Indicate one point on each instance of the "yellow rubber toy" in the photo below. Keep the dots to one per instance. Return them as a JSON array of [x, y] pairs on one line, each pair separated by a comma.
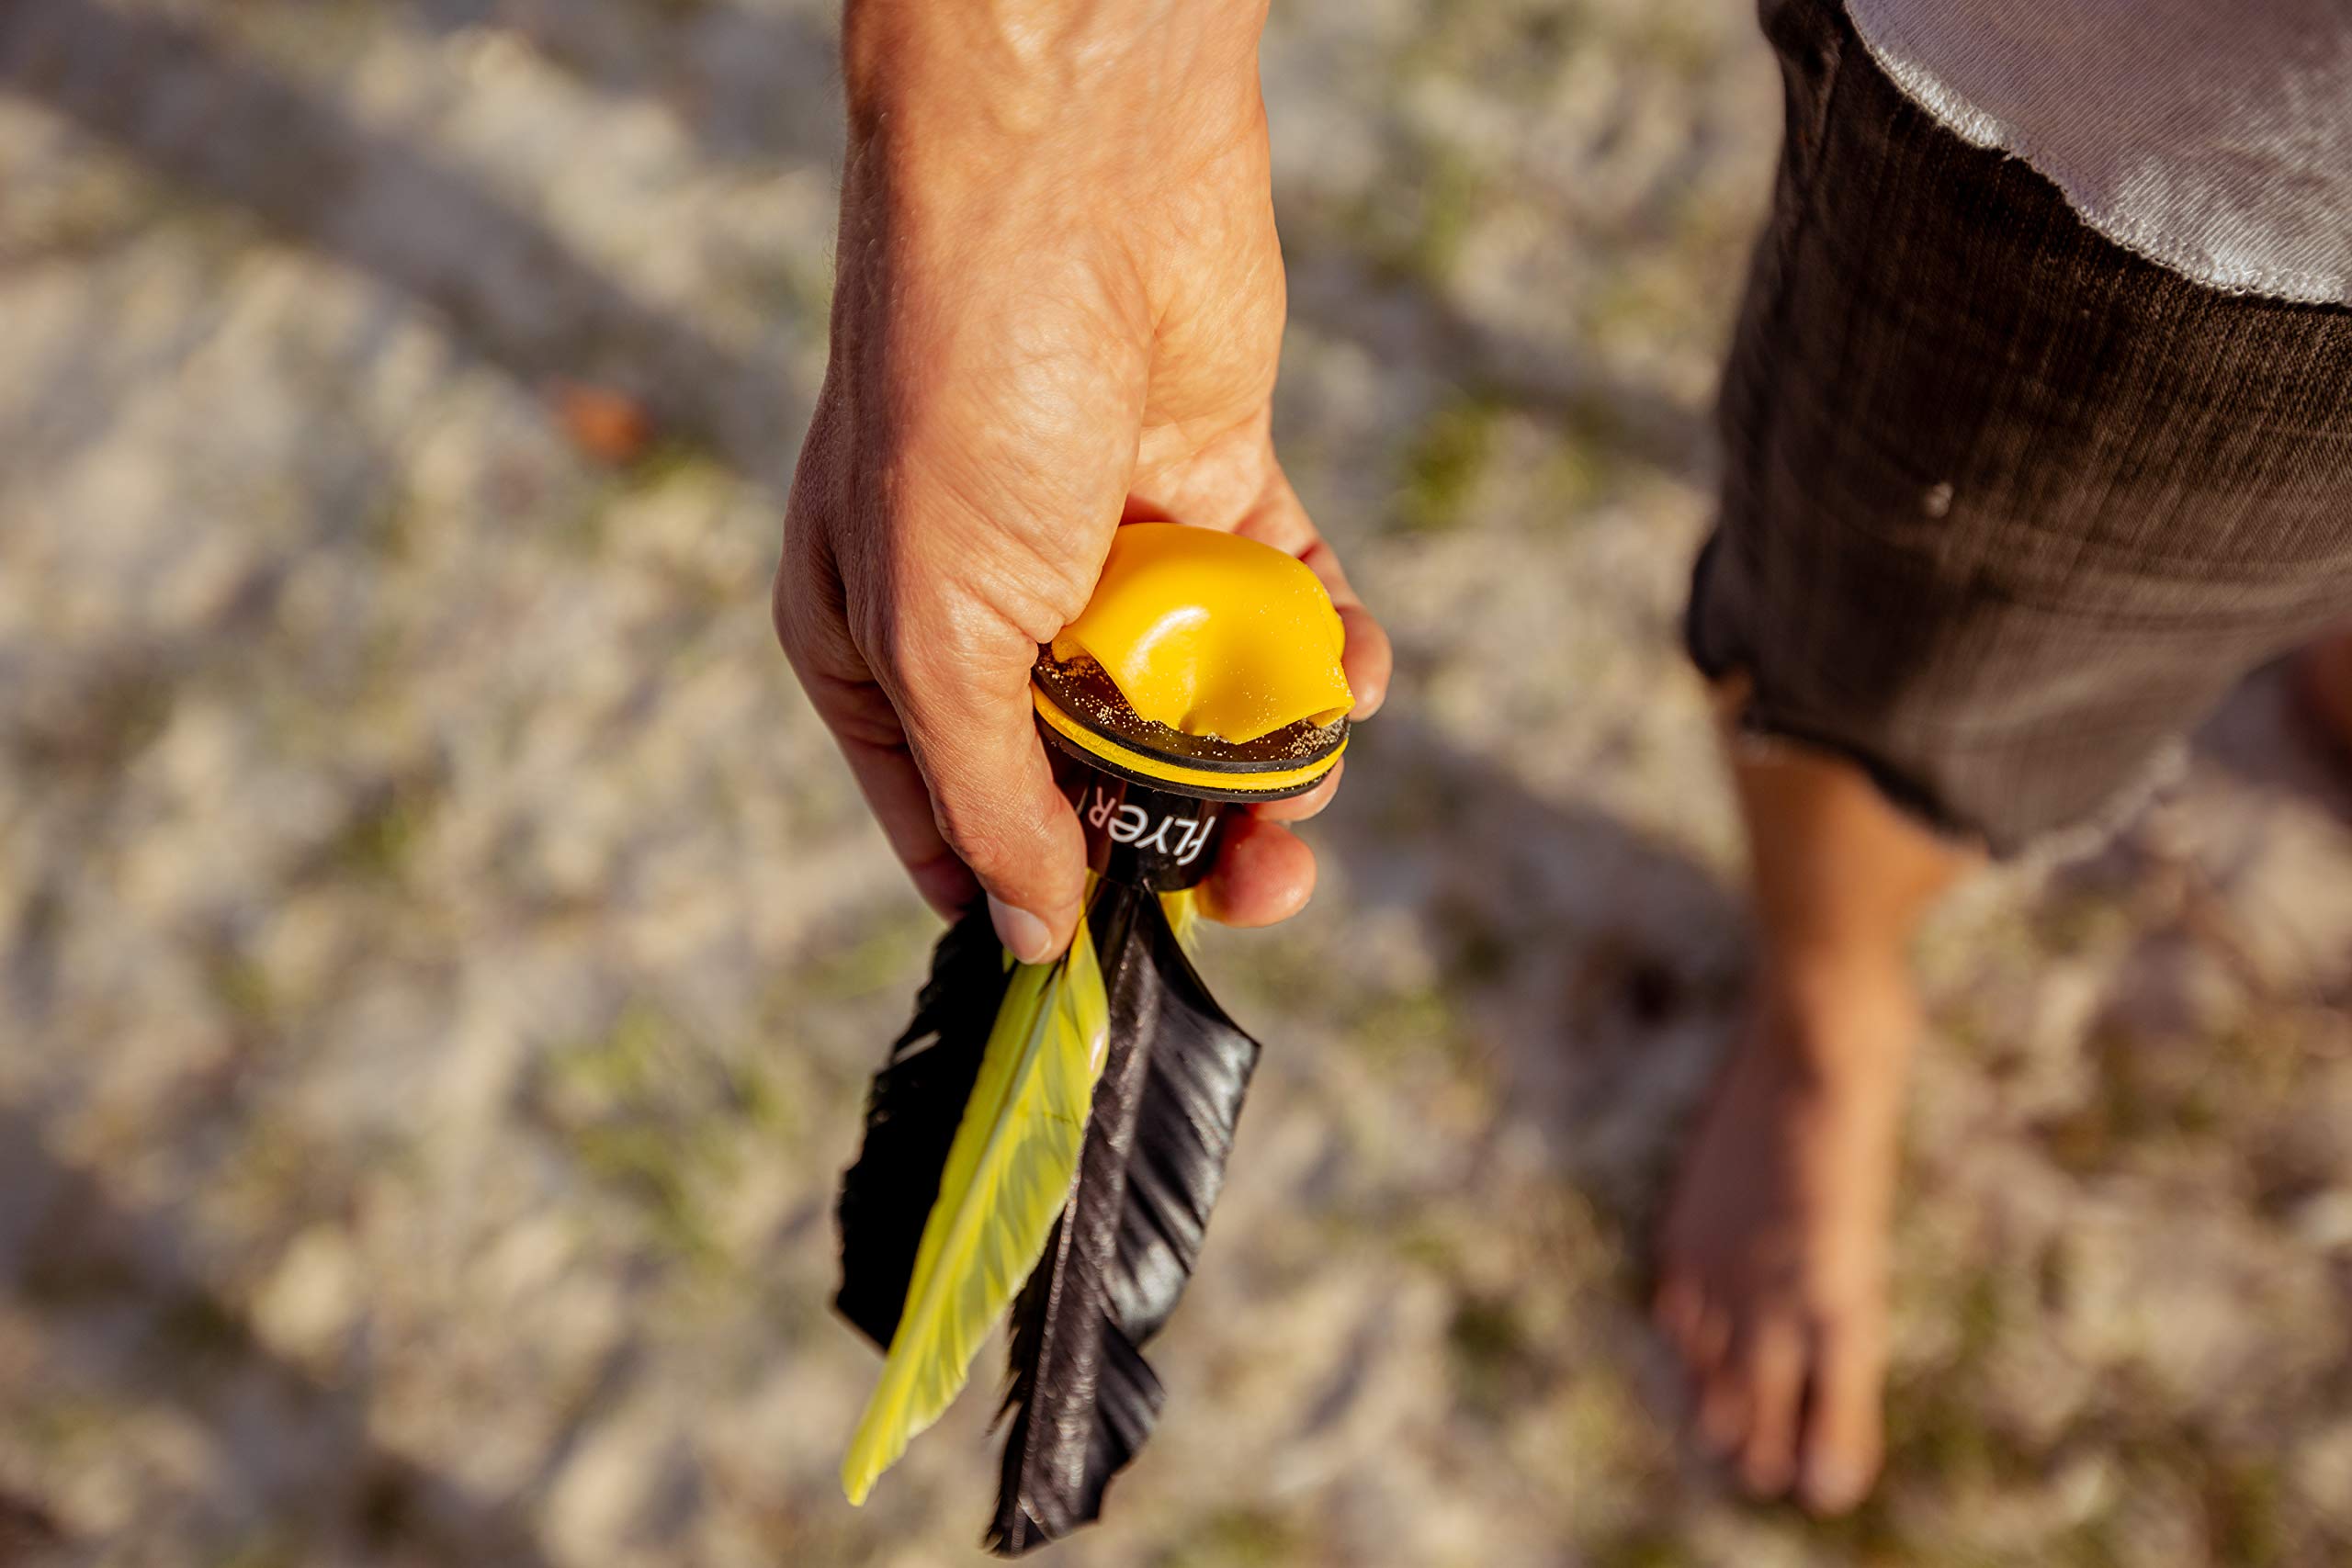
[[1206, 664], [1212, 633]]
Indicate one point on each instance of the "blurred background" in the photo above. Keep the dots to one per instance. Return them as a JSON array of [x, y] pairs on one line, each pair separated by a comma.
[[441, 957]]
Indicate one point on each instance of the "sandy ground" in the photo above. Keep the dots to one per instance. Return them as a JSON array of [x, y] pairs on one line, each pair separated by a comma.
[[440, 956]]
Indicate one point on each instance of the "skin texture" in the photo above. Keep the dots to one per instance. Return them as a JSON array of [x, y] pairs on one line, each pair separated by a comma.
[[1773, 1257], [1058, 307]]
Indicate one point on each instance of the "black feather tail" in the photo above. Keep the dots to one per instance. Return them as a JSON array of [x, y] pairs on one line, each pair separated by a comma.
[[912, 1113], [1082, 1399]]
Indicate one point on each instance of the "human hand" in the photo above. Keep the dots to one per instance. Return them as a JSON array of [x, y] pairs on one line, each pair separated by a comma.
[[1059, 307]]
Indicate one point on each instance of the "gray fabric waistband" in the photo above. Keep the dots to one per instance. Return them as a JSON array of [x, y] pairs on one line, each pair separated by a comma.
[[2213, 137]]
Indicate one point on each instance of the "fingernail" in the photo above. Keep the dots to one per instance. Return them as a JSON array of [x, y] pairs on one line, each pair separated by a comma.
[[1028, 937]]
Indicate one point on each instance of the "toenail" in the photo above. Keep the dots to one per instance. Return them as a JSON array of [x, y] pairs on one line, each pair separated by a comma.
[[1834, 1484]]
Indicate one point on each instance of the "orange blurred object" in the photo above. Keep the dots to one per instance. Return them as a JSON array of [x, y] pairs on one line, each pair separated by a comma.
[[608, 425]]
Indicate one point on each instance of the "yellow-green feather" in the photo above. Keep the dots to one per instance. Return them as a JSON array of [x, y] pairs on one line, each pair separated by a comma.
[[1181, 908], [1007, 1174]]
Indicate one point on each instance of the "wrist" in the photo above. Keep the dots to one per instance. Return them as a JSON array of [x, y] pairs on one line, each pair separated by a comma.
[[1087, 82]]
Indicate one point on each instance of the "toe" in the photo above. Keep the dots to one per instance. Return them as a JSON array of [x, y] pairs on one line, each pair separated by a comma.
[[1676, 1312], [1843, 1438], [1711, 1340], [1697, 1326], [1721, 1418], [1771, 1359]]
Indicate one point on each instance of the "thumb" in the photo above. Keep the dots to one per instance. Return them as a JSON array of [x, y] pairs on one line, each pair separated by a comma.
[[973, 732]]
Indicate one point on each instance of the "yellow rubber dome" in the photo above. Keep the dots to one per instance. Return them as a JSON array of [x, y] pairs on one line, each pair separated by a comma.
[[1212, 633]]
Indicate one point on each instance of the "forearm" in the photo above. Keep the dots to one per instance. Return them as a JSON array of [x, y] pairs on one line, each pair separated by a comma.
[[1042, 196], [981, 89]]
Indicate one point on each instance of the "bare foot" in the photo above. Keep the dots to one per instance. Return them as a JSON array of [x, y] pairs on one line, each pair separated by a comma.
[[1772, 1258]]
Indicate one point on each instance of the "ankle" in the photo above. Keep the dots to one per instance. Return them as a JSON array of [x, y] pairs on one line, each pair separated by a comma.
[[1837, 1018], [1820, 976]]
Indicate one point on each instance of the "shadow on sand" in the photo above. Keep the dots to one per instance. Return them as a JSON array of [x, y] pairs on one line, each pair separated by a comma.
[[195, 112], [129, 1317], [750, 87], [1604, 964], [1605, 967]]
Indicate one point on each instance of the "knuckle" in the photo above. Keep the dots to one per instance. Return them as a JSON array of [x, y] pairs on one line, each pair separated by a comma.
[[909, 656], [939, 652], [784, 615], [802, 608], [807, 585], [978, 828], [997, 836], [806, 596]]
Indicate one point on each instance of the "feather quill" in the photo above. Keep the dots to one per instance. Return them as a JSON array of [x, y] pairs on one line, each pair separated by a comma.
[[1081, 1398], [1006, 1177]]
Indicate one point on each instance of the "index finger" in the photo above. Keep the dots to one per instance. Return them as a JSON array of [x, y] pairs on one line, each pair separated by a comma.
[[1281, 521]]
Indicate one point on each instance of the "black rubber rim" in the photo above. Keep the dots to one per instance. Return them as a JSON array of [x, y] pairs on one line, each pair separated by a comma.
[[1103, 764], [1090, 700]]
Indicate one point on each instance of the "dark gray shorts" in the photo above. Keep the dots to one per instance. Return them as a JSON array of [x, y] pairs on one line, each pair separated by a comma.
[[2006, 508]]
